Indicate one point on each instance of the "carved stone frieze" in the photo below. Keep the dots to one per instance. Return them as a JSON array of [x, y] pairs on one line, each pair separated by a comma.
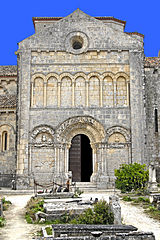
[[80, 125], [42, 136], [121, 135]]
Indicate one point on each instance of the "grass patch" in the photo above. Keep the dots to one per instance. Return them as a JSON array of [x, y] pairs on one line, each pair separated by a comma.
[[127, 199], [6, 204], [49, 230], [28, 218], [153, 212], [145, 203], [2, 221], [141, 200], [34, 205]]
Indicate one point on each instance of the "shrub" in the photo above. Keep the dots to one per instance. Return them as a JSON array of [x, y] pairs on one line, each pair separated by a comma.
[[131, 177], [101, 214]]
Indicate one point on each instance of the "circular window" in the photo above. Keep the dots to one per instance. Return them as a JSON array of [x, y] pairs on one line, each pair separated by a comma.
[[76, 42]]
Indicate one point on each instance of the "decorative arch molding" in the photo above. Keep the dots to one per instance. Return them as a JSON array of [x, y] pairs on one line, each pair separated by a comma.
[[42, 129], [108, 74], [7, 137], [8, 125], [48, 76], [122, 74], [94, 74], [37, 75], [118, 129], [95, 90], [80, 74], [66, 74], [80, 125]]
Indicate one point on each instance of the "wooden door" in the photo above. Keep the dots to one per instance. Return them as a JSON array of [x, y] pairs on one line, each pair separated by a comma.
[[80, 159], [75, 158]]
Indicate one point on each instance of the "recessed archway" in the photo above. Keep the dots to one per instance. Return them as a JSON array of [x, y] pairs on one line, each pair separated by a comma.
[[80, 158]]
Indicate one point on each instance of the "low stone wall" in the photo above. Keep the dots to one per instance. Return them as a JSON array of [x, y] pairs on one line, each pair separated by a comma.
[[141, 236], [135, 236], [85, 229], [55, 195], [84, 232]]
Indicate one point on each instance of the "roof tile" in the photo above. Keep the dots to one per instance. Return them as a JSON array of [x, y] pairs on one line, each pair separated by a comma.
[[152, 61], [8, 70], [8, 101]]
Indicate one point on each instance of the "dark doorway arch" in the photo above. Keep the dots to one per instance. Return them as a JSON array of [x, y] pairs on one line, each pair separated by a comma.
[[80, 159]]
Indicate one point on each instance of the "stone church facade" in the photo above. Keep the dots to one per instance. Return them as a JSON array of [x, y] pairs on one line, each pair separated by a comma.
[[82, 100]]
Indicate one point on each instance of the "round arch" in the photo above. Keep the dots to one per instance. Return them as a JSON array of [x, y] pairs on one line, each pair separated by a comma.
[[81, 125]]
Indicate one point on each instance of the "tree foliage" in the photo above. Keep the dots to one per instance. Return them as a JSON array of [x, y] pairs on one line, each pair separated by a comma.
[[131, 177]]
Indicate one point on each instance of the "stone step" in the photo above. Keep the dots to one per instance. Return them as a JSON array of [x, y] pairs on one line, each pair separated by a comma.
[[86, 186], [8, 191]]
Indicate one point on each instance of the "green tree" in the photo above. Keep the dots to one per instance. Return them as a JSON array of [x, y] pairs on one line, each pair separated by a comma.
[[131, 177]]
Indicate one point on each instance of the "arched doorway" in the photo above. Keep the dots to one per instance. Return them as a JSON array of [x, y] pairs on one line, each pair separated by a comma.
[[80, 159]]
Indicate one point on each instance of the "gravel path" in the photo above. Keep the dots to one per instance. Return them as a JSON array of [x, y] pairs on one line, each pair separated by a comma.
[[16, 227], [134, 215]]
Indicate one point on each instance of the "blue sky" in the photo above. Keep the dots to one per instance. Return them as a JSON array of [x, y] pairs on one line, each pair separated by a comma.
[[16, 19]]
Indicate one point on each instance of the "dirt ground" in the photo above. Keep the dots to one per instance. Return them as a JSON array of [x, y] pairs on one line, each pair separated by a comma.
[[17, 228]]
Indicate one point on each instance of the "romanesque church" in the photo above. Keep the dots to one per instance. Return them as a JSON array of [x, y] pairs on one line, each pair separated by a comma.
[[82, 100]]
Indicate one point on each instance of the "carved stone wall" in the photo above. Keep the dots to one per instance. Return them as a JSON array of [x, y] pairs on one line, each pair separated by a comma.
[[95, 90], [80, 90]]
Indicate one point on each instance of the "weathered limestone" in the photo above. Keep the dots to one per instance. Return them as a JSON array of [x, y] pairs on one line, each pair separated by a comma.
[[152, 185], [78, 75], [116, 209]]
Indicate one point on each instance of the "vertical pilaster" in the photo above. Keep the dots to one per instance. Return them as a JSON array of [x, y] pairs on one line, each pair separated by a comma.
[[24, 97], [137, 106]]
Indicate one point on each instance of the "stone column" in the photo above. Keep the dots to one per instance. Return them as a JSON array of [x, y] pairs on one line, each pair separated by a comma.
[[101, 93], [66, 158], [32, 88], [73, 94], [95, 164], [45, 95], [114, 93], [127, 93], [59, 94], [87, 93]]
